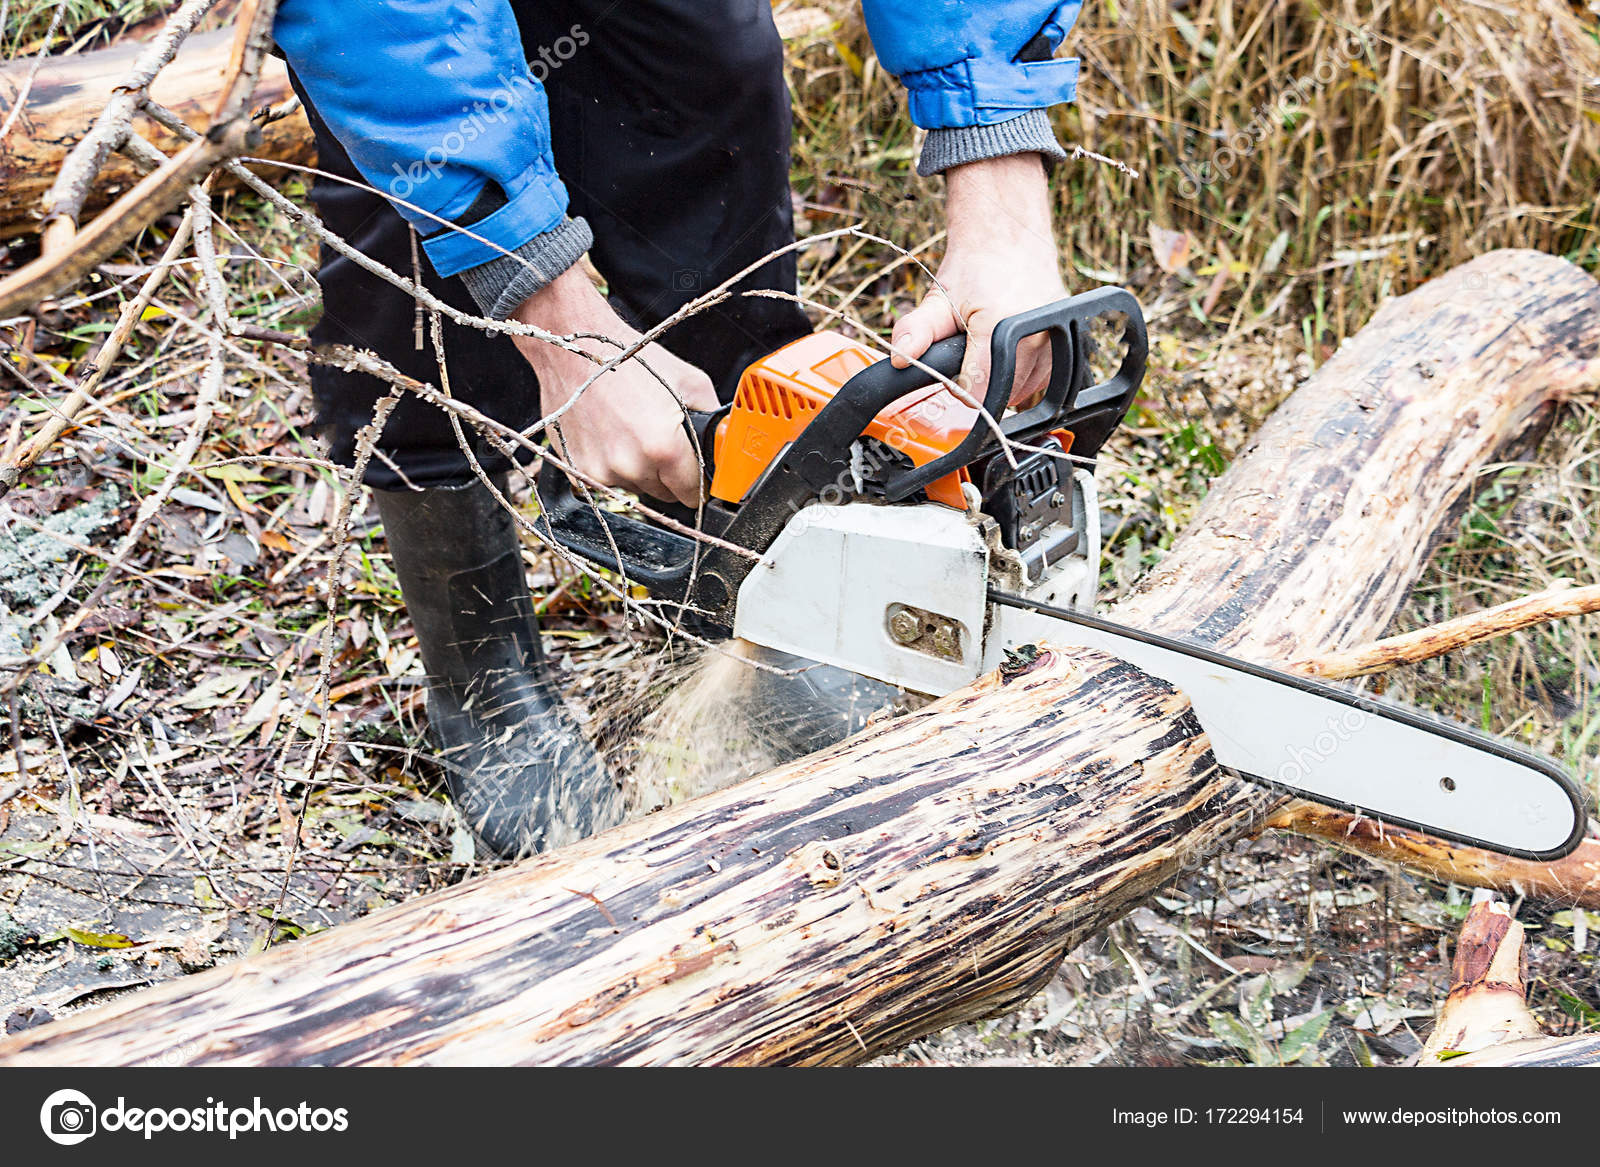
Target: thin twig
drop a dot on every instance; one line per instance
(33, 70)
(127, 319)
(152, 197)
(210, 391)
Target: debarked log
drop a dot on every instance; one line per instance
(67, 94)
(934, 868)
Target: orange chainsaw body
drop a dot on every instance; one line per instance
(780, 394)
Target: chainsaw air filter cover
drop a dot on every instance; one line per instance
(780, 394)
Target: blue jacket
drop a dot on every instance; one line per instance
(432, 98)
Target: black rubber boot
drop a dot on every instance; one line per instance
(518, 767)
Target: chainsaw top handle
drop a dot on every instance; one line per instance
(821, 454)
(1070, 402)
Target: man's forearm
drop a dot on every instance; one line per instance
(999, 201)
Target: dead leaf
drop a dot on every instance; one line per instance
(221, 689)
(1171, 248)
(238, 497)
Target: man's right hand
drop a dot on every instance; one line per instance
(625, 430)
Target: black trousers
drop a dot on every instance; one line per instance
(671, 131)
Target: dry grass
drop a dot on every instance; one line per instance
(1535, 522)
(1453, 128)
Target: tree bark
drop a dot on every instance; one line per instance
(1487, 1003)
(69, 91)
(935, 868)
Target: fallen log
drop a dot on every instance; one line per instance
(934, 868)
(1485, 1019)
(68, 92)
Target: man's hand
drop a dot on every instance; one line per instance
(625, 430)
(1000, 259)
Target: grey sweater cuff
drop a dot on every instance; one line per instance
(1030, 133)
(501, 284)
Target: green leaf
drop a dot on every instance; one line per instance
(1255, 1002)
(1569, 918)
(1579, 1011)
(98, 939)
(17, 848)
(286, 929)
(1289, 977)
(1301, 1043)
(203, 896)
(1446, 1054)
(1237, 1034)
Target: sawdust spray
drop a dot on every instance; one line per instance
(701, 718)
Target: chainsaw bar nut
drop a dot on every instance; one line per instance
(925, 632)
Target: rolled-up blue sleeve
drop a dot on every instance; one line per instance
(433, 101)
(965, 64)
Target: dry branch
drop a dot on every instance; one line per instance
(933, 868)
(64, 99)
(1554, 603)
(81, 167)
(127, 317)
(1573, 881)
(153, 197)
(65, 261)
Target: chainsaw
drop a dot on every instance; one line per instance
(871, 518)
